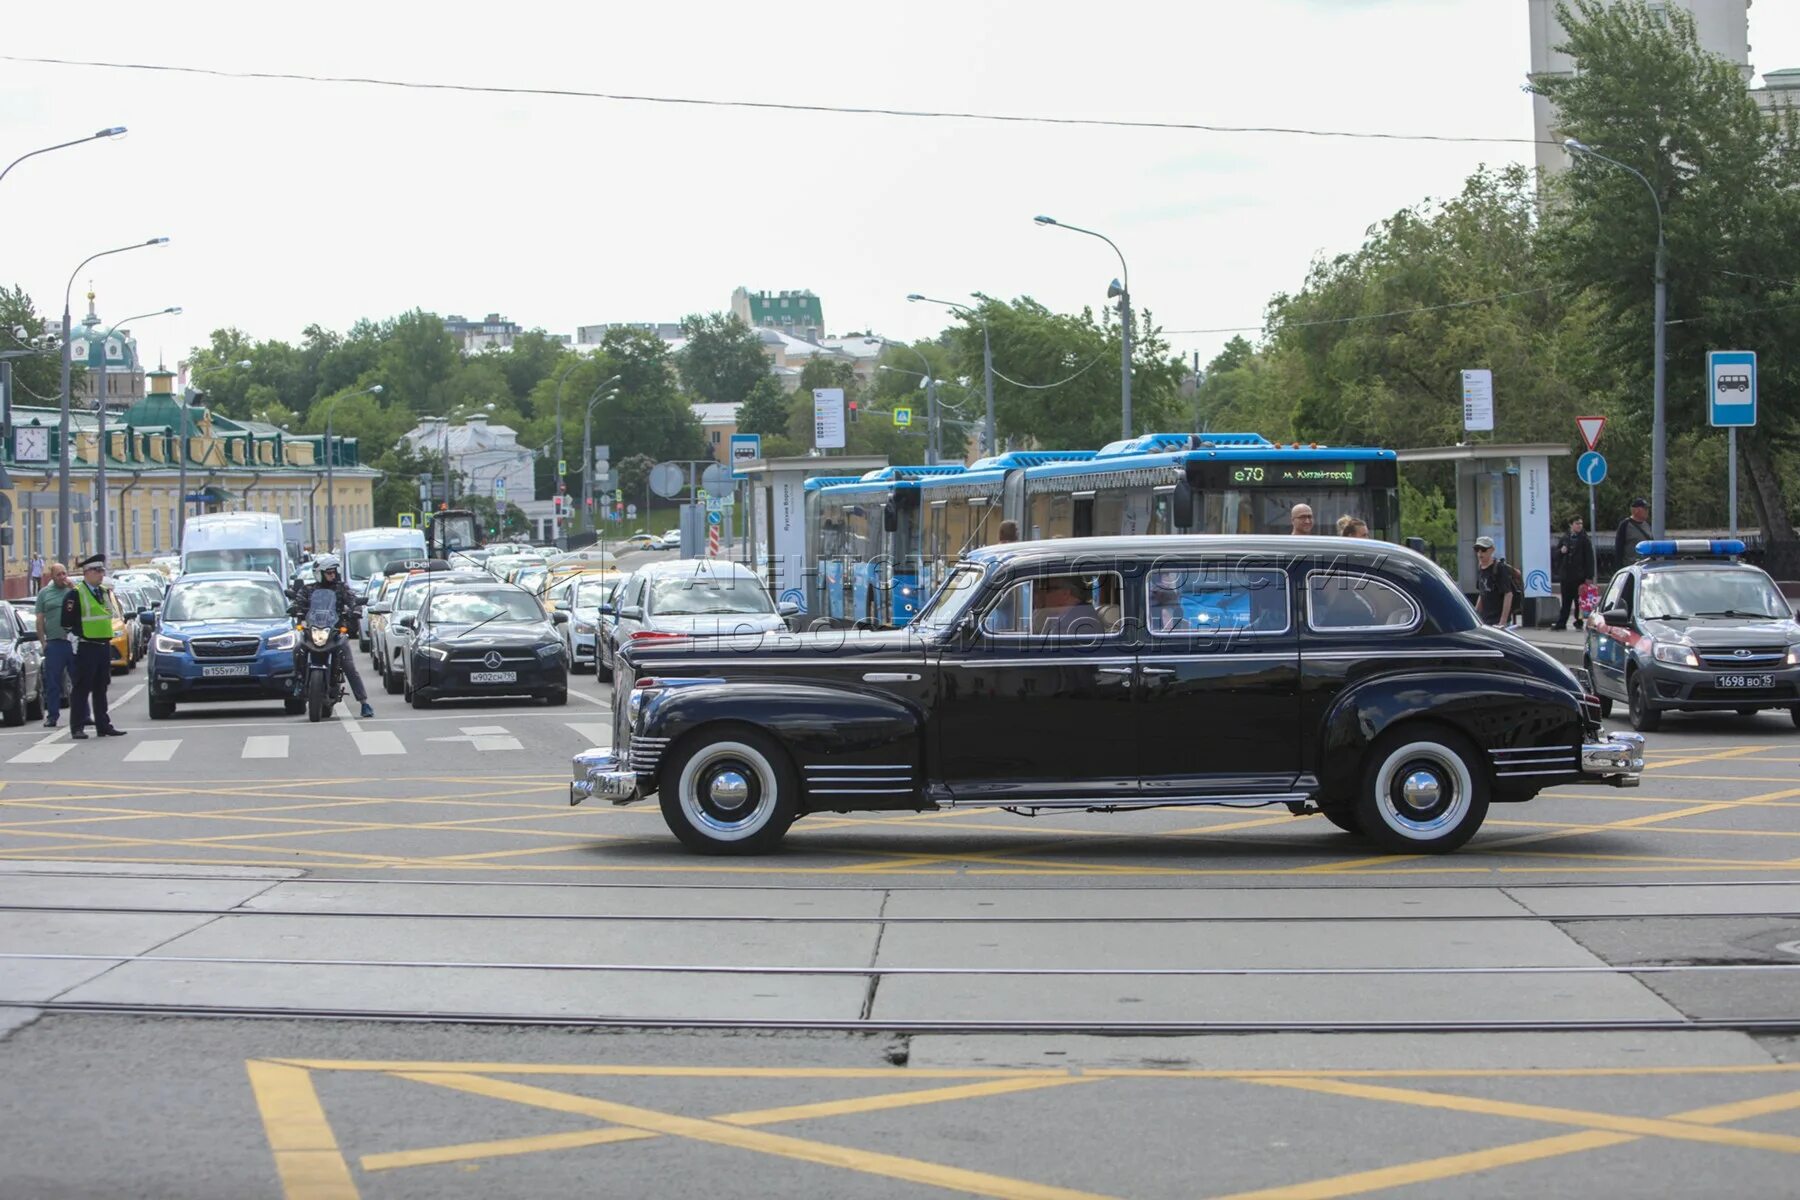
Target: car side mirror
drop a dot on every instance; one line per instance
(407, 622)
(29, 635)
(1616, 616)
(787, 608)
(559, 617)
(632, 612)
(146, 617)
(563, 605)
(607, 610)
(380, 607)
(890, 518)
(1182, 504)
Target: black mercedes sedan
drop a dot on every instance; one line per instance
(484, 639)
(1338, 676)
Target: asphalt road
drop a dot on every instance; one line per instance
(426, 865)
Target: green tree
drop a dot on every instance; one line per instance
(37, 377)
(1727, 179)
(533, 356)
(723, 359)
(634, 476)
(765, 409)
(418, 357)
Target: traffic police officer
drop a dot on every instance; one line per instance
(87, 611)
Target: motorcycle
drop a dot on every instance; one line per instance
(322, 641)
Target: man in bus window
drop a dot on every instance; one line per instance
(1300, 519)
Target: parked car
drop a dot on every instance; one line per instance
(221, 636)
(1688, 627)
(581, 597)
(1115, 673)
(133, 600)
(21, 667)
(484, 639)
(641, 541)
(689, 597)
(145, 579)
(395, 634)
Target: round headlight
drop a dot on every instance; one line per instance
(321, 636)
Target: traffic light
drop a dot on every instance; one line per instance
(853, 411)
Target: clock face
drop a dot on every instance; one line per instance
(32, 443)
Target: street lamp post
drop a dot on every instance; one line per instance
(331, 461)
(65, 523)
(987, 361)
(932, 438)
(100, 507)
(587, 450)
(115, 131)
(561, 379)
(181, 436)
(1659, 433)
(1122, 292)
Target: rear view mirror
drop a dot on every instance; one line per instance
(380, 607)
(407, 621)
(146, 617)
(559, 617)
(632, 612)
(607, 610)
(1182, 504)
(788, 608)
(28, 635)
(1616, 616)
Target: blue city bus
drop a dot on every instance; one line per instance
(885, 540)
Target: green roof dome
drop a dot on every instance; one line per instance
(89, 344)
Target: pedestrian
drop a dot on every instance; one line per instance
(1009, 531)
(1349, 526)
(1498, 590)
(1300, 519)
(87, 612)
(1575, 567)
(36, 571)
(59, 654)
(1632, 530)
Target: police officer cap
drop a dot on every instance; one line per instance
(98, 560)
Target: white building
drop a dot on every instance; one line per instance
(486, 460)
(493, 332)
(1723, 28)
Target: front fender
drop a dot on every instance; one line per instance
(820, 726)
(1496, 712)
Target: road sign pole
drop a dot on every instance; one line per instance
(1731, 474)
(1591, 512)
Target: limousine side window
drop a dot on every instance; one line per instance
(1342, 601)
(1217, 599)
(1077, 605)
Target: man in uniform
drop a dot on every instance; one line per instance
(87, 613)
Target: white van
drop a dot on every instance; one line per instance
(240, 541)
(364, 552)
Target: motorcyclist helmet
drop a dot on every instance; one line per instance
(324, 564)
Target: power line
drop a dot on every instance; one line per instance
(1043, 387)
(1399, 312)
(776, 106)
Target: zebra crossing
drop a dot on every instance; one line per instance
(367, 743)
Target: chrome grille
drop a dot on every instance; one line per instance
(225, 647)
(861, 779)
(644, 755)
(478, 657)
(1741, 656)
(1518, 762)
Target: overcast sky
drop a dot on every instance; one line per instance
(289, 203)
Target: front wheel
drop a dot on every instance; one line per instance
(733, 792)
(161, 710)
(557, 698)
(315, 696)
(293, 706)
(1795, 713)
(1605, 700)
(1645, 716)
(1748, 712)
(1343, 816)
(1424, 791)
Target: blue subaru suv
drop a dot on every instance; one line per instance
(222, 636)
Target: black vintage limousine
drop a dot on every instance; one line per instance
(1340, 676)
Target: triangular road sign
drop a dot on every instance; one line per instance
(1590, 429)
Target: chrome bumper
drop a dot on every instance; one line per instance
(1618, 761)
(599, 775)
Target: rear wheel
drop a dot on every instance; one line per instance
(731, 790)
(315, 696)
(1424, 790)
(1645, 716)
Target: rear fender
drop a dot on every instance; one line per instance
(1496, 712)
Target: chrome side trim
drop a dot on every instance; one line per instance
(1378, 655)
(1568, 770)
(905, 791)
(1137, 800)
(858, 767)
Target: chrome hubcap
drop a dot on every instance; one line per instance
(729, 790)
(1421, 791)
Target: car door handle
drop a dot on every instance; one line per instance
(1112, 670)
(890, 677)
(1157, 670)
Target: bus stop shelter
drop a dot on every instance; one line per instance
(1503, 491)
(778, 514)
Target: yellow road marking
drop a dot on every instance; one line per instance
(306, 1153)
(868, 1162)
(798, 1112)
(1607, 1122)
(1735, 752)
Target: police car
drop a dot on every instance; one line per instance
(1689, 627)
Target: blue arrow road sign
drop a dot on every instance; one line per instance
(1590, 468)
(1731, 387)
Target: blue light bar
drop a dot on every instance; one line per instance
(1670, 548)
